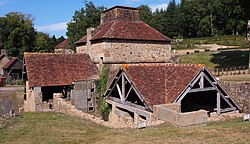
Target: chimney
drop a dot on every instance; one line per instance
(120, 13)
(3, 51)
(90, 32)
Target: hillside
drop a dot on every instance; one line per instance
(58, 128)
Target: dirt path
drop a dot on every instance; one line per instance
(211, 47)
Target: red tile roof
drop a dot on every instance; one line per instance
(63, 45)
(129, 30)
(161, 83)
(47, 69)
(83, 40)
(10, 62)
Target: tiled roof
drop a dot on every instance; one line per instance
(47, 69)
(161, 83)
(10, 62)
(129, 30)
(2, 56)
(63, 45)
(83, 40)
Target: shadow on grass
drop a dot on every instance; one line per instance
(226, 59)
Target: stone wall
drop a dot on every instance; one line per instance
(121, 14)
(121, 51)
(239, 92)
(34, 101)
(175, 118)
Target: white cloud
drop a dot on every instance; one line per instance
(3, 2)
(131, 1)
(53, 27)
(159, 6)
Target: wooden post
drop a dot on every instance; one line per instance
(202, 81)
(123, 86)
(218, 103)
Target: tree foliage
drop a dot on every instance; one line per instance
(17, 35)
(196, 18)
(83, 19)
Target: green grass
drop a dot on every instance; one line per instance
(222, 59)
(227, 40)
(58, 128)
(220, 40)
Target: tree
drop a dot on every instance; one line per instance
(43, 43)
(145, 14)
(83, 19)
(17, 33)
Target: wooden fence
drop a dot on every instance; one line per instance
(239, 70)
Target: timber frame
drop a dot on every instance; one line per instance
(212, 85)
(202, 82)
(124, 90)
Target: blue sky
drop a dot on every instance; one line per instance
(51, 16)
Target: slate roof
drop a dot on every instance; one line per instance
(11, 62)
(161, 83)
(128, 30)
(50, 69)
(63, 45)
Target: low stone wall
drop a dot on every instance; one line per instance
(176, 118)
(239, 92)
(65, 107)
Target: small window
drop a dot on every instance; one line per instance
(92, 90)
(101, 58)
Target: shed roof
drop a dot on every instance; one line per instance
(50, 69)
(161, 83)
(83, 40)
(63, 45)
(11, 62)
(128, 30)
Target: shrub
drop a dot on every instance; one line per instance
(103, 107)
(196, 51)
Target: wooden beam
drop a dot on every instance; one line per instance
(120, 93)
(116, 80)
(202, 81)
(195, 81)
(123, 86)
(182, 96)
(227, 109)
(128, 92)
(218, 104)
(201, 89)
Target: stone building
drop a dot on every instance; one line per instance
(180, 94)
(122, 37)
(63, 47)
(72, 75)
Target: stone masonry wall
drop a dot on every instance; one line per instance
(121, 14)
(127, 52)
(239, 92)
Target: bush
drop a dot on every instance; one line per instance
(207, 50)
(196, 51)
(103, 107)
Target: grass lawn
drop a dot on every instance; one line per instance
(221, 59)
(59, 128)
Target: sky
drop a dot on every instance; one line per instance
(52, 16)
